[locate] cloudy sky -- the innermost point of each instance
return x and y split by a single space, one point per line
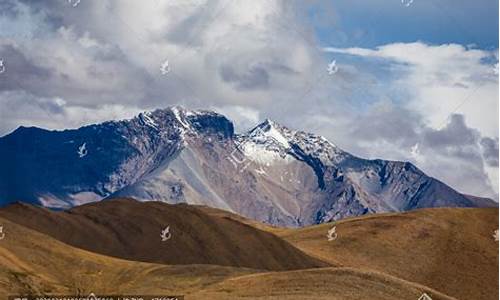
394 79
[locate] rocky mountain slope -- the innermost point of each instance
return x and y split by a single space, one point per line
271 173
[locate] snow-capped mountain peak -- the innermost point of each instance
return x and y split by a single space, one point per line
180 116
271 133
185 122
147 119
270 173
273 136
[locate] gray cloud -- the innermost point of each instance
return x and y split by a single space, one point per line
8 9
188 32
490 151
389 123
21 72
456 133
255 76
456 154
252 59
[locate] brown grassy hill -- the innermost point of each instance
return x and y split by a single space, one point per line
449 249
324 283
390 256
34 263
128 229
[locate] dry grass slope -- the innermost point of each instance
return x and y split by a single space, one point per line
33 263
447 253
129 229
449 249
324 283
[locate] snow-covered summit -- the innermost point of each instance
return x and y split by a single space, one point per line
271 173
272 136
186 121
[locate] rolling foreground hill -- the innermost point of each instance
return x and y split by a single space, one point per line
129 229
34 263
449 249
271 173
446 253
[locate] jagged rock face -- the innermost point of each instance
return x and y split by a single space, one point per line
271 173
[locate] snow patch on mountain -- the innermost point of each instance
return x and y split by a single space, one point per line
178 117
318 147
147 120
281 176
264 156
265 144
270 141
273 133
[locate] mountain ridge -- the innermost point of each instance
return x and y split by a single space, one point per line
270 173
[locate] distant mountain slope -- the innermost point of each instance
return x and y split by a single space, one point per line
271 174
449 249
129 229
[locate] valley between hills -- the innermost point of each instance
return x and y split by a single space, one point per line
114 247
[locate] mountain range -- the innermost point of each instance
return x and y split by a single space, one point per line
271 173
